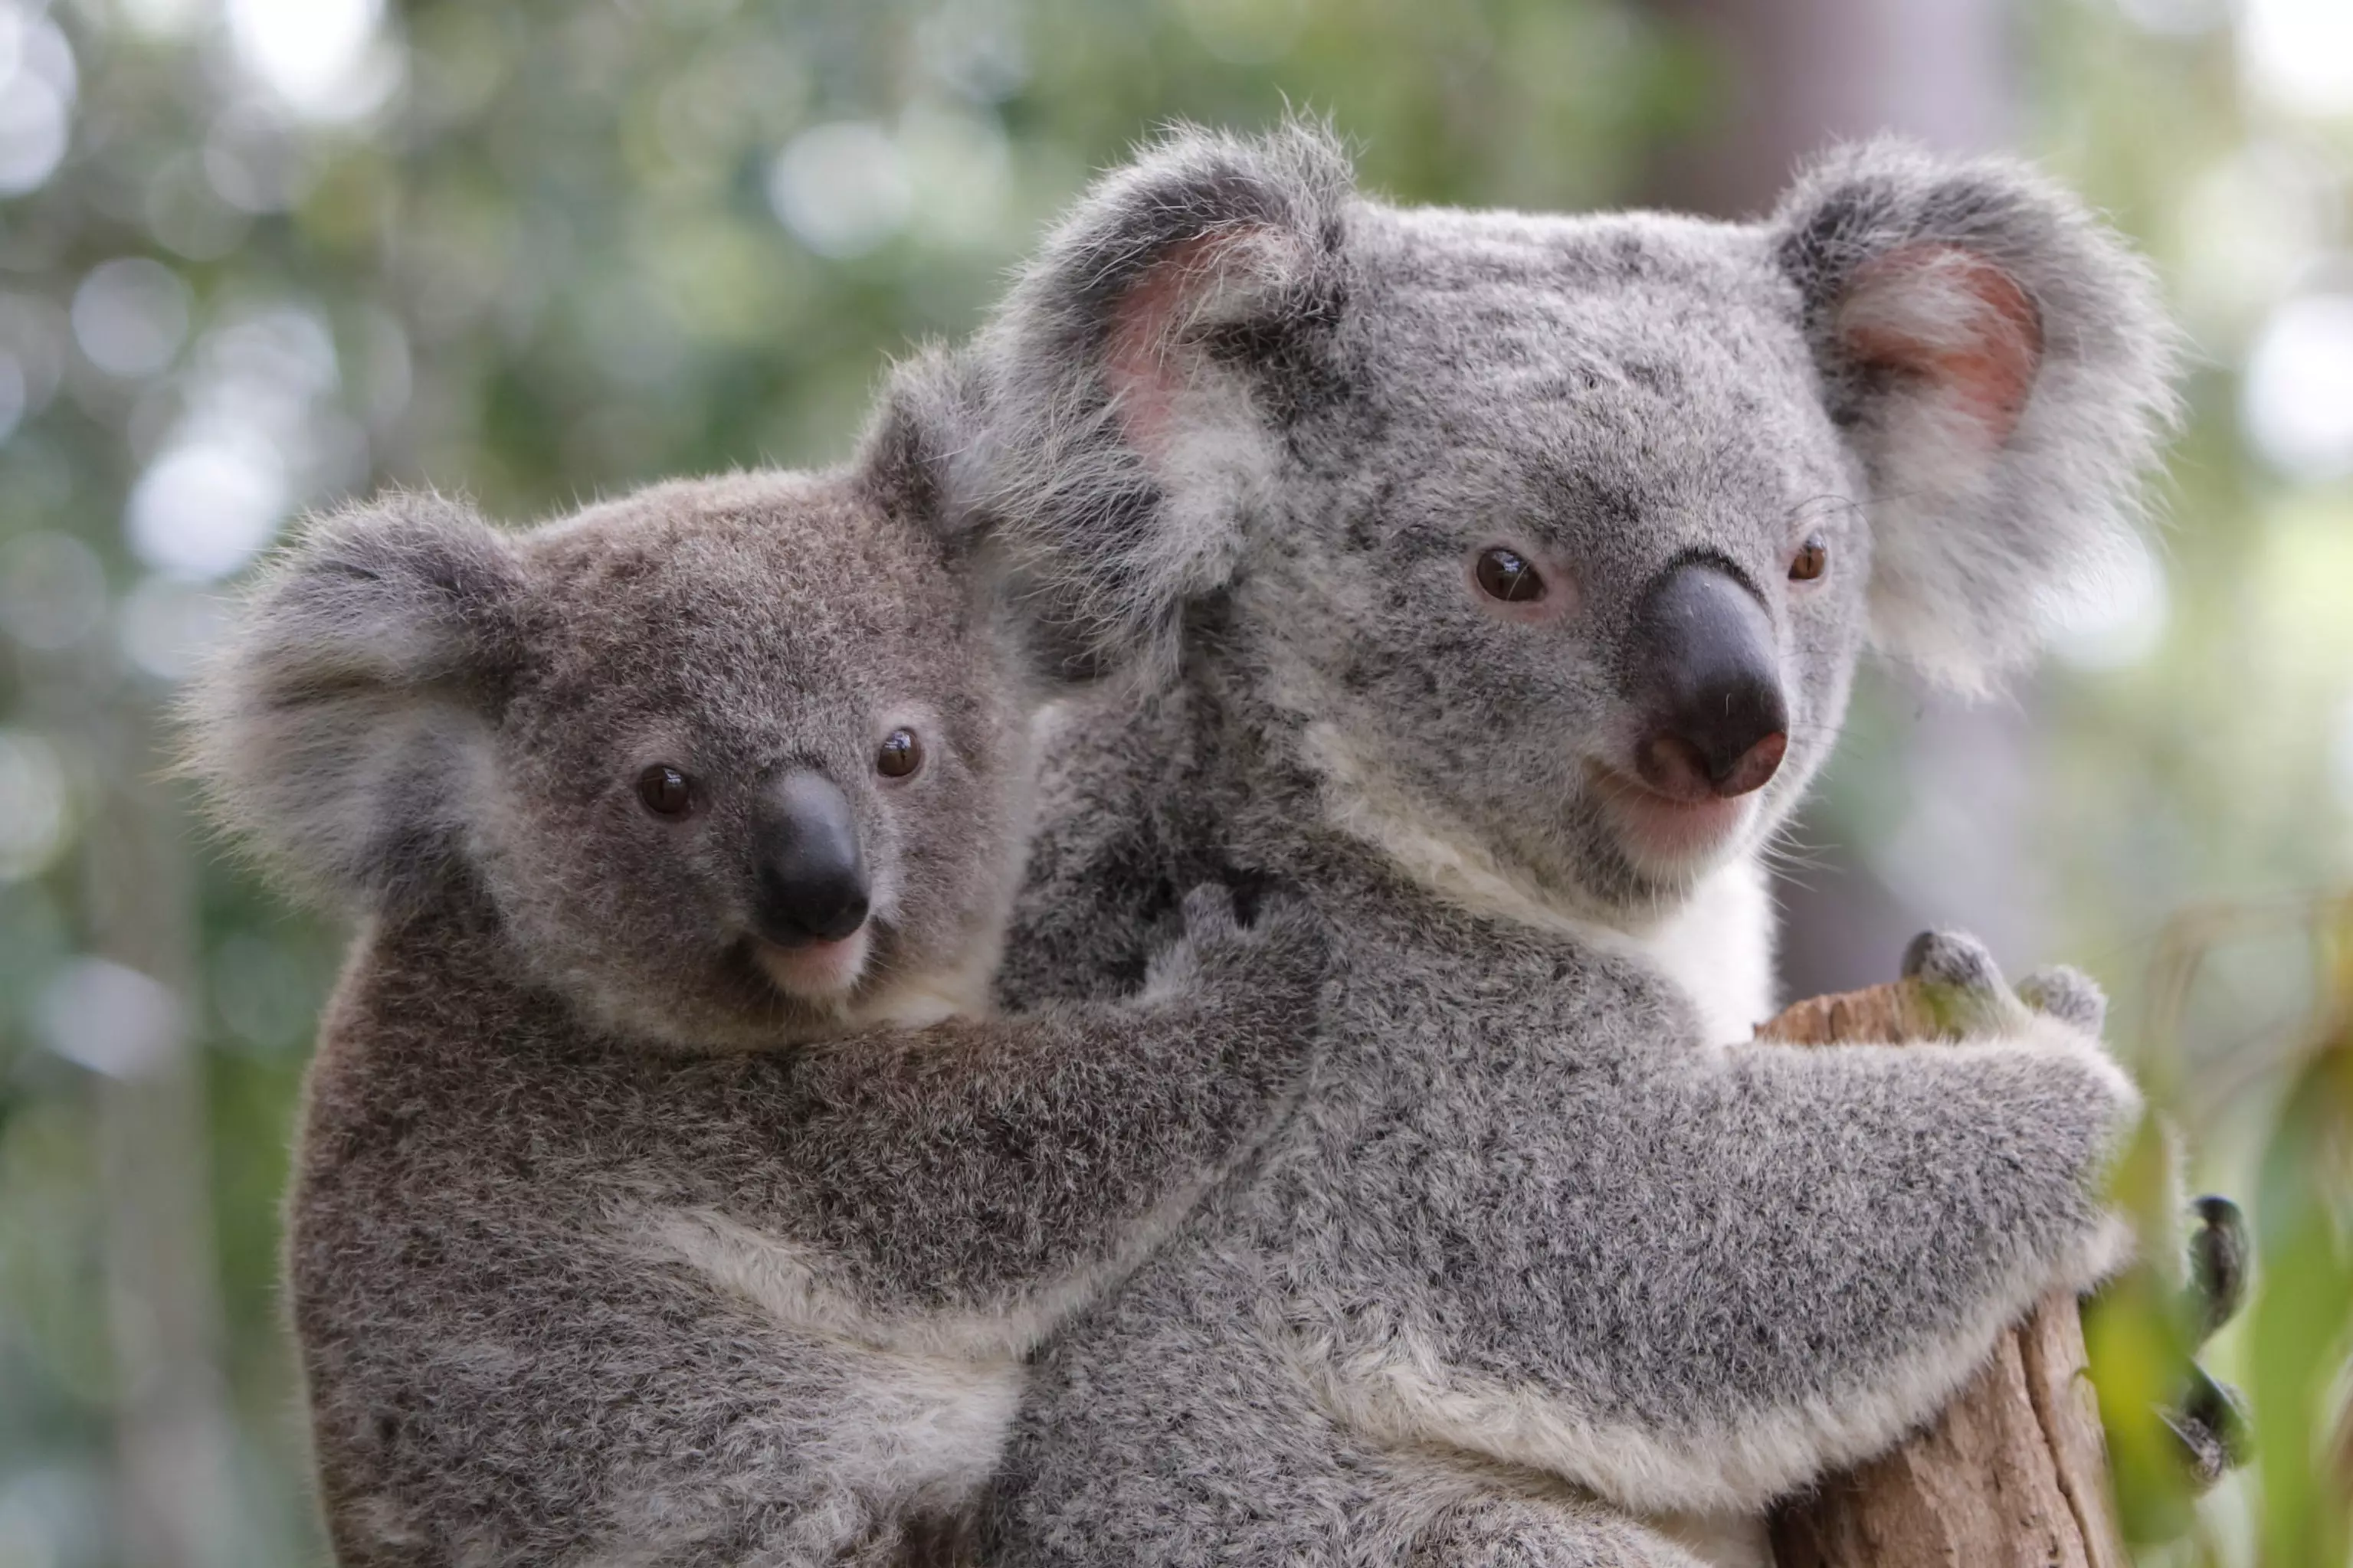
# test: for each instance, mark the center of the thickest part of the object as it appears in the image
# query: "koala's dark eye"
(1813, 559)
(665, 791)
(1505, 574)
(900, 755)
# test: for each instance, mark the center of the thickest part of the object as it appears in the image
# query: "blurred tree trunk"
(131, 1017)
(1792, 77)
(1796, 75)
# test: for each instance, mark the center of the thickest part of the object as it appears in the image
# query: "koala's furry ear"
(2003, 366)
(918, 446)
(1136, 374)
(338, 728)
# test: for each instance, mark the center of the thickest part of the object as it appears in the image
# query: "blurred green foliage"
(274, 252)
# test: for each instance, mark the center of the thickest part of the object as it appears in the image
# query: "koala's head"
(1552, 541)
(733, 760)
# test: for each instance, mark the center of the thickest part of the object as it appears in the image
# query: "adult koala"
(1504, 577)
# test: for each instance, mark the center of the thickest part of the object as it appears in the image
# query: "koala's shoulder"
(428, 1006)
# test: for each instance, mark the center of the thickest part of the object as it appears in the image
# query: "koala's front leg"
(976, 1164)
(1802, 1253)
(1967, 1179)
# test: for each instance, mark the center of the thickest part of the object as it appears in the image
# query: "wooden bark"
(2013, 1474)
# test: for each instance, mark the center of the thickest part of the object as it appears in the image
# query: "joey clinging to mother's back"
(665, 1194)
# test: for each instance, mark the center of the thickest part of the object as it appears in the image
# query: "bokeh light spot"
(34, 126)
(131, 316)
(842, 188)
(38, 82)
(974, 48)
(2298, 399)
(34, 806)
(207, 507)
(2299, 53)
(322, 57)
(187, 214)
(254, 164)
(110, 1019)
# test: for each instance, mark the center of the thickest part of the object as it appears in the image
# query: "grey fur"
(605, 1247)
(1973, 576)
(2065, 991)
(1543, 1212)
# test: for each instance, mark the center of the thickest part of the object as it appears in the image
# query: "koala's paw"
(2068, 995)
(2058, 1011)
(1951, 958)
(1963, 983)
(1966, 989)
(2211, 1425)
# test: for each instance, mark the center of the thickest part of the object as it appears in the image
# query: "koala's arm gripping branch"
(1766, 1262)
(1877, 1219)
(2015, 1468)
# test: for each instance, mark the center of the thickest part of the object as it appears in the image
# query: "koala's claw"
(1951, 958)
(2211, 1423)
(2219, 1257)
(2068, 995)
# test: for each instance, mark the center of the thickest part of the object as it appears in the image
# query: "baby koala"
(663, 1196)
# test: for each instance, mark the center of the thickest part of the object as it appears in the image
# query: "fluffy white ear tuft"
(1136, 378)
(2002, 365)
(337, 729)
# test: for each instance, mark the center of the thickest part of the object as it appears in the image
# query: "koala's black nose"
(812, 879)
(1707, 678)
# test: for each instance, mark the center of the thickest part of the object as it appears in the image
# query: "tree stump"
(2013, 1474)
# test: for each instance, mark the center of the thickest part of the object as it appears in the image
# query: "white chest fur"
(1719, 949)
(1718, 946)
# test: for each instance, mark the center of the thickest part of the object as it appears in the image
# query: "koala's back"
(520, 1329)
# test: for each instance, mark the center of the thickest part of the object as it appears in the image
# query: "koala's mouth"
(1663, 833)
(818, 972)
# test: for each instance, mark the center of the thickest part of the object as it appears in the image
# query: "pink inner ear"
(1953, 320)
(1143, 365)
